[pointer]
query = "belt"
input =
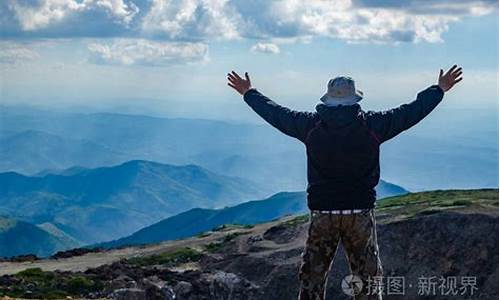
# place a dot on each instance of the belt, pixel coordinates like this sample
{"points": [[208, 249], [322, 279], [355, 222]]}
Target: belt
{"points": [[341, 212]]}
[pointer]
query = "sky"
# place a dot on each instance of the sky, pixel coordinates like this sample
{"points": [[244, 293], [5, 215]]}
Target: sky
{"points": [[170, 58]]}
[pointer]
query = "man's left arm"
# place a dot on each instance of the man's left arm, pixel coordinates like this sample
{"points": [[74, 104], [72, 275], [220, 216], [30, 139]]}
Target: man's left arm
{"points": [[388, 124]]}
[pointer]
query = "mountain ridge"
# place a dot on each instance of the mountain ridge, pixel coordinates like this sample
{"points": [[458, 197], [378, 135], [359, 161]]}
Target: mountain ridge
{"points": [[108, 198], [198, 220]]}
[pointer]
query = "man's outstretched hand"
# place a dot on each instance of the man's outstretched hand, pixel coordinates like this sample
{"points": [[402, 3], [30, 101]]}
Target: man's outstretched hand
{"points": [[452, 77], [239, 84]]}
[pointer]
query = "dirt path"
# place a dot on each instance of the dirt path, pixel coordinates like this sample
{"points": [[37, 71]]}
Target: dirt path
{"points": [[94, 260]]}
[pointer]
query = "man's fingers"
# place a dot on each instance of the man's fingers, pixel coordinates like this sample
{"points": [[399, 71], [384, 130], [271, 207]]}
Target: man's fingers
{"points": [[233, 87], [236, 75], [458, 80], [441, 73], [451, 69], [455, 75], [232, 80], [247, 77], [231, 77], [457, 70]]}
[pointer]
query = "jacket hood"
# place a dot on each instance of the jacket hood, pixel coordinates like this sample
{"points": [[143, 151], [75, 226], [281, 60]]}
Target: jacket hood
{"points": [[338, 116]]}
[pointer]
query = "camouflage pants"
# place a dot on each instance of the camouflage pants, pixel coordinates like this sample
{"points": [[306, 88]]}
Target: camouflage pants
{"points": [[359, 238]]}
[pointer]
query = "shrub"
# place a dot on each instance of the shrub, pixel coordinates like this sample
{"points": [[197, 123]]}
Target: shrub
{"points": [[177, 257]]}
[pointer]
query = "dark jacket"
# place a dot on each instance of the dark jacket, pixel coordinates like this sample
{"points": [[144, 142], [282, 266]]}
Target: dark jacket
{"points": [[342, 144]]}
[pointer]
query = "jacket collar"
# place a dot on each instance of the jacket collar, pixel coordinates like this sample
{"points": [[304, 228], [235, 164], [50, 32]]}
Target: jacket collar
{"points": [[338, 116]]}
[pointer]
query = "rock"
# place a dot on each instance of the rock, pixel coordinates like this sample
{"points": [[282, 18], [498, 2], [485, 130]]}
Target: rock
{"points": [[76, 252], [157, 289], [129, 294], [24, 258], [183, 288], [282, 234], [230, 286], [123, 281]]}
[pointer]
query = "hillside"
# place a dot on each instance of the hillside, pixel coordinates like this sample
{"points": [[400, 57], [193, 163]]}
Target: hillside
{"points": [[439, 233], [20, 238], [94, 205], [198, 220]]}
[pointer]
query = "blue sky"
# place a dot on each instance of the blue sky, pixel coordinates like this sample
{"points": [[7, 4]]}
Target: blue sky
{"points": [[170, 57]]}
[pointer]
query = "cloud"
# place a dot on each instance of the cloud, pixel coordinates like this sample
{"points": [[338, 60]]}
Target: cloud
{"points": [[434, 7], [354, 21], [38, 15], [265, 48], [145, 52], [192, 19], [265, 20], [13, 53]]}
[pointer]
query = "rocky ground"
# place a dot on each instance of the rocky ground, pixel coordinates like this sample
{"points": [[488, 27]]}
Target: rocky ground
{"points": [[430, 236]]}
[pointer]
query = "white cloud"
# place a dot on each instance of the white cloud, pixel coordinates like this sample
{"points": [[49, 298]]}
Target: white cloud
{"points": [[48, 12], [265, 48], [12, 53], [267, 21], [353, 21], [192, 19], [145, 52]]}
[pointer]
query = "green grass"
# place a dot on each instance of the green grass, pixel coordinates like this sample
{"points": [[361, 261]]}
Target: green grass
{"points": [[434, 201], [299, 220], [216, 246], [183, 255], [203, 234], [226, 227], [49, 285], [213, 247]]}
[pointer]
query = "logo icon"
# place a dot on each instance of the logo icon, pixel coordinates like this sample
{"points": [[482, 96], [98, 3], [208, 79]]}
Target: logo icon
{"points": [[352, 285]]}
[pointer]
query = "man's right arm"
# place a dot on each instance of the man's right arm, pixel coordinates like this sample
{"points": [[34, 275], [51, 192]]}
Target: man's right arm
{"points": [[290, 122]]}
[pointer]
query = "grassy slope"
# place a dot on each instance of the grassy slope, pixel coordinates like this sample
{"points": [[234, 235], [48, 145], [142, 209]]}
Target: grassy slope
{"points": [[400, 207]]}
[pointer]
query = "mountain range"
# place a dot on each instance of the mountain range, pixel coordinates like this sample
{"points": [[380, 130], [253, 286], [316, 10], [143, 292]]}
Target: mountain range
{"points": [[80, 206], [198, 220], [35, 140], [93, 205]]}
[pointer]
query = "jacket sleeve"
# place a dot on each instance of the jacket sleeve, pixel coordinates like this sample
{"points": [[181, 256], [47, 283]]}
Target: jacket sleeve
{"points": [[388, 124], [293, 123]]}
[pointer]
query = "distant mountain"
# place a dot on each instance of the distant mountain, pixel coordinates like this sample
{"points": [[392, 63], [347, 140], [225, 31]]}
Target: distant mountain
{"points": [[458, 159], [28, 151], [18, 238], [199, 220], [386, 189], [100, 204]]}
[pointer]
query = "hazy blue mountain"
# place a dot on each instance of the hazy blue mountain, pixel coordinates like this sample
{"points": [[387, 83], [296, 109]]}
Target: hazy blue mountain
{"points": [[423, 163], [28, 151], [198, 220], [19, 237], [106, 203], [417, 160], [386, 189]]}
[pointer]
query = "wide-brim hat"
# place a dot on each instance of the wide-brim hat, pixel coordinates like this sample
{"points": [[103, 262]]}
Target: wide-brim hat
{"points": [[342, 89]]}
